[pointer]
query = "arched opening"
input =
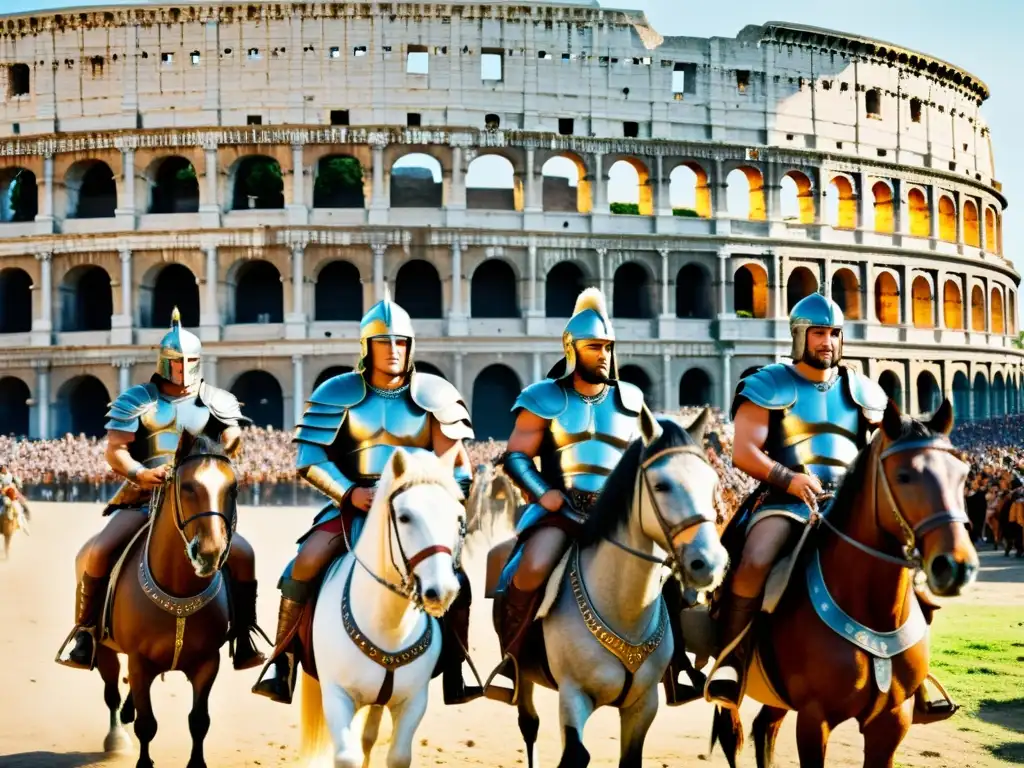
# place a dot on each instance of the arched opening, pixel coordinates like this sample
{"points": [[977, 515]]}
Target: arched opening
{"points": [[175, 286], [416, 182], [745, 193], [631, 297], [418, 289], [175, 187], [565, 188], [91, 190], [797, 198], [259, 294], [689, 191], [750, 291], [258, 184], [494, 392], [991, 238], [693, 292], [980, 393], [82, 407], [339, 183], [952, 306], [921, 294], [14, 411], [339, 292], [637, 376], [422, 367], [86, 300], [998, 324], [330, 373], [893, 388], [261, 399], [801, 283], [491, 184], [998, 399], [561, 287], [972, 234], [842, 203], [920, 216], [493, 290], [977, 309], [928, 394], [887, 299], [846, 293], [961, 397], [19, 195], [947, 219], [884, 220], [695, 388], [628, 189], [15, 301]]}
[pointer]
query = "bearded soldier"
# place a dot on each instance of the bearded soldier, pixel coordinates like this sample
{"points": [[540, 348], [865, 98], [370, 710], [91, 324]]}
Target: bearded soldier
{"points": [[578, 422], [144, 427], [352, 425], [798, 427]]}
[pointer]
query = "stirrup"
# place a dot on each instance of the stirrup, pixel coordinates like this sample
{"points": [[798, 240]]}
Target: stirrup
{"points": [[67, 662], [935, 710], [496, 692]]}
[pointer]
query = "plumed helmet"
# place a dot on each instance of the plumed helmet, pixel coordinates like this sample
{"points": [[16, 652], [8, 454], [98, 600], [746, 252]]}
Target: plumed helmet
{"points": [[816, 311], [181, 347], [589, 321], [385, 319]]}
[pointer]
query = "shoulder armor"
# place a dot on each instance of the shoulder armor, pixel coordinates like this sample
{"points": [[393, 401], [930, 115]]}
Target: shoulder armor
{"points": [[771, 387], [442, 400], [631, 397], [124, 413], [545, 398], [327, 406], [223, 405], [867, 394]]}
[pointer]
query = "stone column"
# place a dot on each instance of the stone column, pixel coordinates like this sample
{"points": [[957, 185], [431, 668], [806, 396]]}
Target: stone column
{"points": [[378, 196], [43, 399], [666, 382], [379, 249], [933, 212], [457, 322], [532, 308], [298, 389], [723, 299], [726, 383], [459, 374], [298, 177], [940, 303], [536, 367], [126, 210], [599, 188], [295, 322], [457, 193], [124, 373], [42, 326], [210, 317], [45, 214], [662, 189], [121, 324], [666, 310], [602, 272], [534, 194], [211, 201]]}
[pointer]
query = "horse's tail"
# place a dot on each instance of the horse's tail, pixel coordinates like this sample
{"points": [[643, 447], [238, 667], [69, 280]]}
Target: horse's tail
{"points": [[315, 739], [727, 730]]}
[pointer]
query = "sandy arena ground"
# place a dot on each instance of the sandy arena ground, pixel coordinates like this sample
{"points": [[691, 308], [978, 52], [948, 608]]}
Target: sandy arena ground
{"points": [[54, 717]]}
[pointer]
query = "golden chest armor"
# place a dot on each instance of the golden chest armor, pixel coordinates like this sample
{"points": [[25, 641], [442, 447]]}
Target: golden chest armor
{"points": [[164, 422], [376, 426]]}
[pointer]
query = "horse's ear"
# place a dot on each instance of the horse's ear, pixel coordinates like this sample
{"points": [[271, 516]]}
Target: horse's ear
{"points": [[700, 425], [892, 421], [650, 429], [449, 457], [399, 463], [942, 421], [185, 444]]}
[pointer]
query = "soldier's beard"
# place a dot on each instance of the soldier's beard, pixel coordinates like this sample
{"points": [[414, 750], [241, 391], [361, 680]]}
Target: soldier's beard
{"points": [[820, 363], [591, 376]]}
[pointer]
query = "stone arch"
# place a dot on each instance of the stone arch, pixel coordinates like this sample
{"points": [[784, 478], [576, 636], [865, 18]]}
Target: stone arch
{"points": [[797, 197], [330, 372], [82, 407], [492, 184], [920, 216], [980, 393], [559, 175], [881, 191], [695, 388], [977, 309], [172, 285], [952, 306], [417, 181], [887, 299], [19, 195], [694, 297], [746, 182], [258, 184], [338, 294], [175, 187], [261, 398], [424, 367], [259, 293], [842, 203], [418, 290], [998, 322], [997, 396], [890, 383], [631, 292], [14, 409], [991, 235], [563, 283], [689, 191], [637, 376], [947, 219], [339, 183], [629, 173], [91, 190], [492, 290], [15, 301], [923, 307], [86, 299], [750, 291], [495, 390], [929, 396], [800, 283], [846, 293], [972, 231], [961, 397]]}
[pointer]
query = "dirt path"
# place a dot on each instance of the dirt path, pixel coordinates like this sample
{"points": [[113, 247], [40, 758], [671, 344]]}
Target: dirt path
{"points": [[54, 717]]}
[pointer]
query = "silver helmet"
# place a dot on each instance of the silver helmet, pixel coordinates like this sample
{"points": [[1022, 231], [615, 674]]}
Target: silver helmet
{"points": [[179, 356], [385, 319], [814, 311], [589, 321]]}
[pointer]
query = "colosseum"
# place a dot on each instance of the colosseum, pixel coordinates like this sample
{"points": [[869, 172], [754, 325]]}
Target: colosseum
{"points": [[269, 167]]}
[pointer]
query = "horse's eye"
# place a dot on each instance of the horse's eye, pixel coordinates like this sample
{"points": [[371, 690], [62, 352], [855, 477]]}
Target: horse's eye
{"points": [[903, 477], [662, 487], [403, 518]]}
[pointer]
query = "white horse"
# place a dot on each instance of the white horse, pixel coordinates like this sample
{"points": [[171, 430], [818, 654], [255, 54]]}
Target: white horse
{"points": [[376, 635], [606, 633]]}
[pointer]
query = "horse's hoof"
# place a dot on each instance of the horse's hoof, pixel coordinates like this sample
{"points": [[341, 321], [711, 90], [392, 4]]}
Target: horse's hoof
{"points": [[117, 742]]}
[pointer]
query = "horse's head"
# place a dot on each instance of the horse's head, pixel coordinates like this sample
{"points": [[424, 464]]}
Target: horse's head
{"points": [[204, 493], [921, 496], [426, 524]]}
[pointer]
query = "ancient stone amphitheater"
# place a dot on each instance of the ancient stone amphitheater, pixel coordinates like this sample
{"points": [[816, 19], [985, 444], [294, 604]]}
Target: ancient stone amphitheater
{"points": [[269, 167]]}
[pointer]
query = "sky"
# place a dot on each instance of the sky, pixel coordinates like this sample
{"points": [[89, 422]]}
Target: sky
{"points": [[981, 36]]}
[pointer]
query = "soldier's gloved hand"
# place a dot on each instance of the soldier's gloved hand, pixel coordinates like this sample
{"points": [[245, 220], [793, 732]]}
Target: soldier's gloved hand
{"points": [[362, 498], [552, 501], [151, 479], [806, 488]]}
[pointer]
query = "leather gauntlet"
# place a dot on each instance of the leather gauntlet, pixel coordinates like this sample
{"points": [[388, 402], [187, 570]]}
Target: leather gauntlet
{"points": [[523, 472]]}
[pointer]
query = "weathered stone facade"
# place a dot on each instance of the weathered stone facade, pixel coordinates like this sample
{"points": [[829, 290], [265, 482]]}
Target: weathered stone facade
{"points": [[136, 144]]}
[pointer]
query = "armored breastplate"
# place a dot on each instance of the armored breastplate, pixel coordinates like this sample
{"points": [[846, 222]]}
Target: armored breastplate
{"points": [[160, 427], [819, 432], [373, 428], [589, 439]]}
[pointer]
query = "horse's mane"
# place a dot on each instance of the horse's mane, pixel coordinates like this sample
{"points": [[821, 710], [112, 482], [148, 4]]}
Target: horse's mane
{"points": [[418, 469], [206, 446], [613, 506]]}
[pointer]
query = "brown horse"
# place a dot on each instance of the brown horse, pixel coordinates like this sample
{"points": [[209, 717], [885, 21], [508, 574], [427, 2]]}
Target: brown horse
{"points": [[10, 522], [169, 609], [859, 649]]}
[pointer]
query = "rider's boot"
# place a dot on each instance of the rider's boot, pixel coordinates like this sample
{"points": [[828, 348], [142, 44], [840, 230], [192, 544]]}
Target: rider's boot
{"points": [[281, 685], [88, 603], [727, 682], [520, 610], [929, 708], [243, 600], [455, 648], [677, 692]]}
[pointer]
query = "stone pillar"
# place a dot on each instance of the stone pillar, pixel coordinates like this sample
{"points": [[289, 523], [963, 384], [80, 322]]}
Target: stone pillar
{"points": [[534, 202], [298, 177], [968, 306], [536, 367], [211, 198], [940, 304], [42, 326], [870, 315], [210, 317], [666, 310], [298, 389], [45, 215], [124, 373], [778, 287], [121, 324], [826, 278], [666, 383], [379, 196], [933, 212], [724, 307], [295, 322], [532, 308], [457, 322], [599, 187], [43, 399], [457, 194], [865, 203], [126, 210], [602, 272], [379, 249], [726, 381], [459, 374], [662, 189]]}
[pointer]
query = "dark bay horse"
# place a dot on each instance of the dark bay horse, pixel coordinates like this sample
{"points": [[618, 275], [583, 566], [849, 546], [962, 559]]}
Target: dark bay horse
{"points": [[170, 605], [849, 639]]}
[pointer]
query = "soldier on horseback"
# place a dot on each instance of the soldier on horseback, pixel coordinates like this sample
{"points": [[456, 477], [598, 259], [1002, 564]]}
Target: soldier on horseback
{"points": [[578, 421], [11, 487], [798, 427], [144, 426], [351, 427]]}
